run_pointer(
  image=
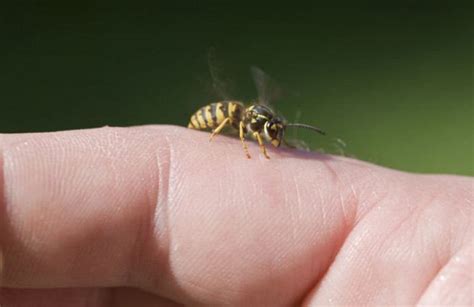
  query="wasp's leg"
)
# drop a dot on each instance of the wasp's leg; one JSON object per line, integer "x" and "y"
{"x": 260, "y": 142}
{"x": 242, "y": 139}
{"x": 219, "y": 128}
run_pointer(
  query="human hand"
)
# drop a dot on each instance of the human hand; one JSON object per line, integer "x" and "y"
{"x": 158, "y": 216}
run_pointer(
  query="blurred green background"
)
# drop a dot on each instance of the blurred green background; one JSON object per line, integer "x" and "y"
{"x": 393, "y": 80}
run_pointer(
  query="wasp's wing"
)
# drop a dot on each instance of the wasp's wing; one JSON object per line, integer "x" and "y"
{"x": 267, "y": 88}
{"x": 339, "y": 146}
{"x": 297, "y": 144}
{"x": 221, "y": 86}
{"x": 292, "y": 140}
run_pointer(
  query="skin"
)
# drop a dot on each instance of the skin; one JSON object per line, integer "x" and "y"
{"x": 158, "y": 216}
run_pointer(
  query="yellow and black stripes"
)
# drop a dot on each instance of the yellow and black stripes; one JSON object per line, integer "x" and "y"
{"x": 198, "y": 120}
{"x": 212, "y": 115}
{"x": 257, "y": 121}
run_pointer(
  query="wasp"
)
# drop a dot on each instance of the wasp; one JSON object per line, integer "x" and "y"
{"x": 257, "y": 120}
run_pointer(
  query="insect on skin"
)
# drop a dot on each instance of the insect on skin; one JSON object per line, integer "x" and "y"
{"x": 258, "y": 121}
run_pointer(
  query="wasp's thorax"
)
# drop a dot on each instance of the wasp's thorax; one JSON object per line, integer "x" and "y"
{"x": 262, "y": 119}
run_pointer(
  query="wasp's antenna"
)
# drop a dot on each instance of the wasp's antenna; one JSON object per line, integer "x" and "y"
{"x": 298, "y": 125}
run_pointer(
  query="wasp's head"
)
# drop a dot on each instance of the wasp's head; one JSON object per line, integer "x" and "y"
{"x": 274, "y": 130}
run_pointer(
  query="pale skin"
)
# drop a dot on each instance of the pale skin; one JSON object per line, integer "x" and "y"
{"x": 159, "y": 216}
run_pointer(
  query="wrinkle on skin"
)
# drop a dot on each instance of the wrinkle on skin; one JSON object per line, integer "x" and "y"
{"x": 347, "y": 205}
{"x": 295, "y": 216}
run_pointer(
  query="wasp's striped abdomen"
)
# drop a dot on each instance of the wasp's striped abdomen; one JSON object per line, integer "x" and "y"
{"x": 212, "y": 115}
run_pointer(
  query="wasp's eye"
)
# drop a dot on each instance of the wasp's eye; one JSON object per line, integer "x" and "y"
{"x": 272, "y": 129}
{"x": 271, "y": 125}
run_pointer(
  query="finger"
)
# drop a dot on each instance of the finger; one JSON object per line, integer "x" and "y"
{"x": 162, "y": 209}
